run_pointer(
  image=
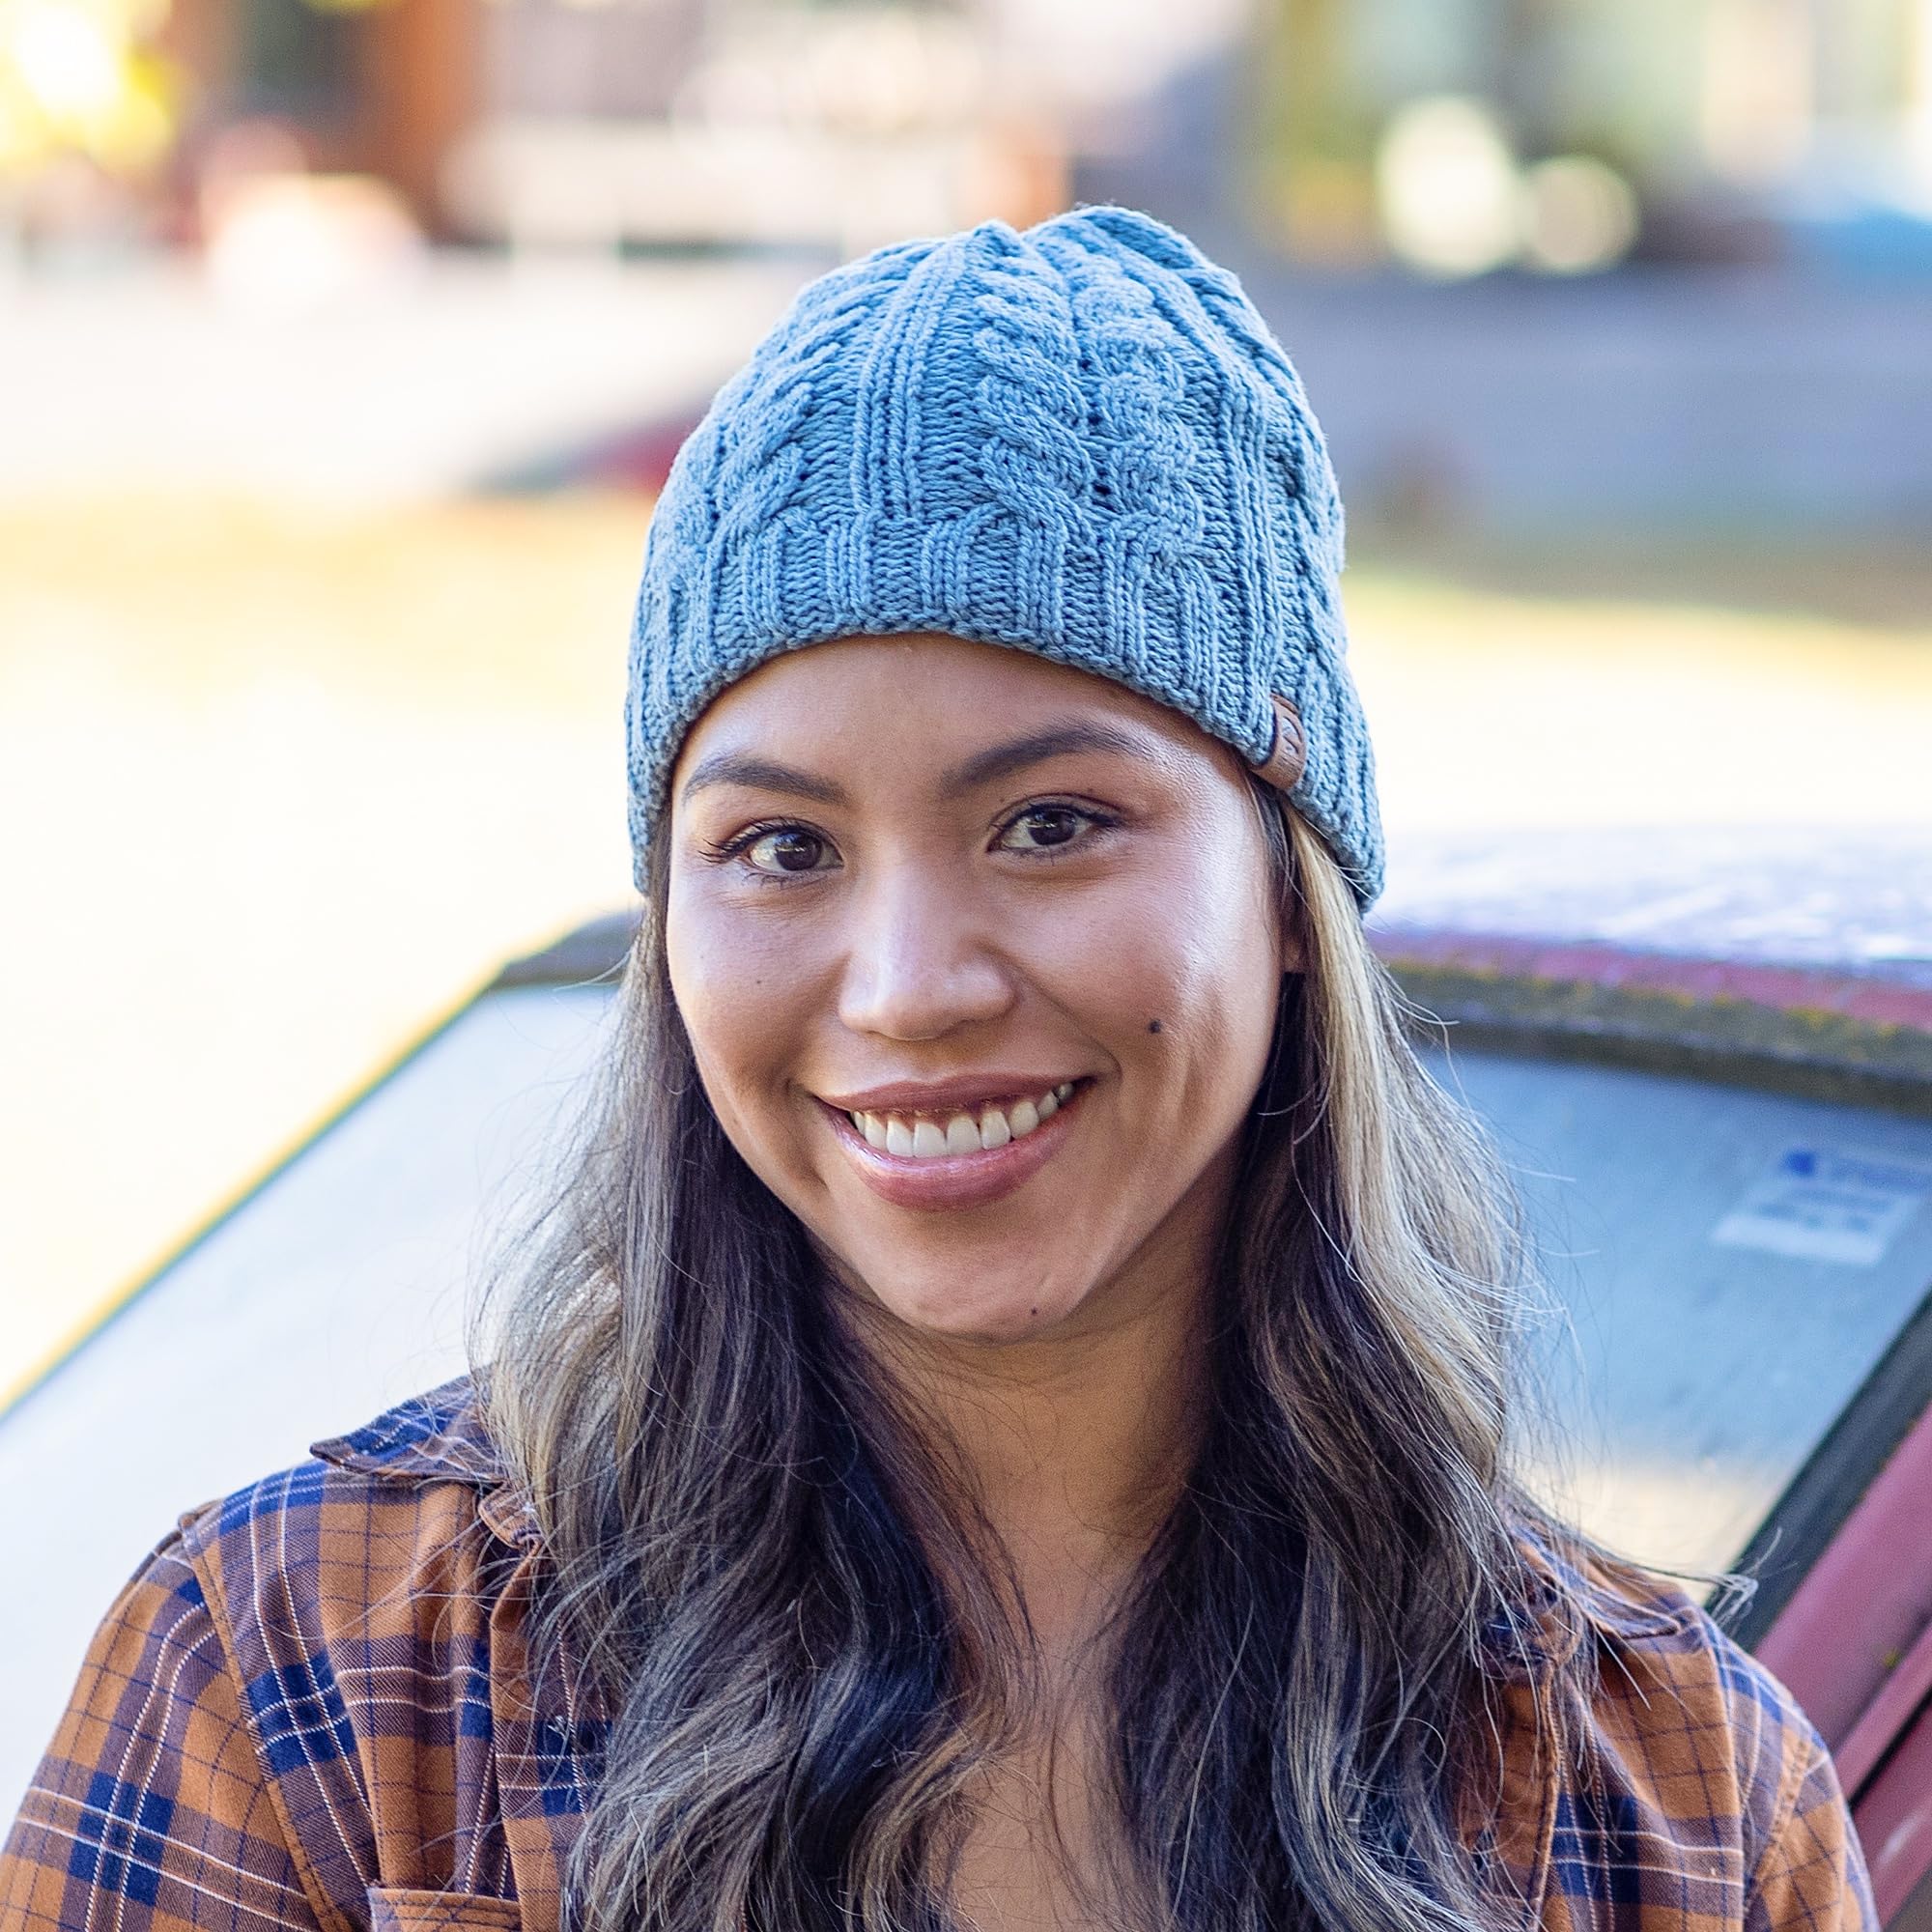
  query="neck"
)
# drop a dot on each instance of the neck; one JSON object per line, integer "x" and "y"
{"x": 1074, "y": 1445}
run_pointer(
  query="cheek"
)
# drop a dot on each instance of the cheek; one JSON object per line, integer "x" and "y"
{"x": 740, "y": 993}
{"x": 1193, "y": 949}
{"x": 1226, "y": 994}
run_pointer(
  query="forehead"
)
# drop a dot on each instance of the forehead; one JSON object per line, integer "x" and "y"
{"x": 882, "y": 698}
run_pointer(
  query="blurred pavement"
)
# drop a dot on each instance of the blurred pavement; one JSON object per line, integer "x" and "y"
{"x": 1719, "y": 400}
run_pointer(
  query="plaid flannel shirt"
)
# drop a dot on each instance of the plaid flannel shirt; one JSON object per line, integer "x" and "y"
{"x": 315, "y": 1706}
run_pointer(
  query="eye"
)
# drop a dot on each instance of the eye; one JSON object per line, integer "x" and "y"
{"x": 788, "y": 849}
{"x": 1046, "y": 828}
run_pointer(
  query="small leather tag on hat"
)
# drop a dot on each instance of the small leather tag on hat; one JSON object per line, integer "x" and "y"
{"x": 1288, "y": 759}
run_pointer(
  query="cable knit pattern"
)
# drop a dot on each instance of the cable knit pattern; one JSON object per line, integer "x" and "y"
{"x": 1147, "y": 454}
{"x": 1033, "y": 457}
{"x": 1082, "y": 440}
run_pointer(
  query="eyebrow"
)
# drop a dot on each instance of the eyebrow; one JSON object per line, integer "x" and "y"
{"x": 1055, "y": 741}
{"x": 742, "y": 768}
{"x": 995, "y": 761}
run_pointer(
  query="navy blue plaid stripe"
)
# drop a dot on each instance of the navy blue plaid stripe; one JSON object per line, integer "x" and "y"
{"x": 569, "y": 1757}
{"x": 298, "y": 1489}
{"x": 299, "y": 1716}
{"x": 1592, "y": 1852}
{"x": 120, "y": 1839}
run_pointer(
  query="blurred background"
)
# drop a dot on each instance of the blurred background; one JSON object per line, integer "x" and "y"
{"x": 344, "y": 342}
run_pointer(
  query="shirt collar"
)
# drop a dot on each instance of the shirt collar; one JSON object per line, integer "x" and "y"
{"x": 439, "y": 1437}
{"x": 1578, "y": 1592}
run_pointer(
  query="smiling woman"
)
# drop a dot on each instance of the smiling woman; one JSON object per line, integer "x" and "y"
{"x": 1008, "y": 1423}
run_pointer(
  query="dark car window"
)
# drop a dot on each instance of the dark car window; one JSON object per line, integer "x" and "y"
{"x": 1725, "y": 1269}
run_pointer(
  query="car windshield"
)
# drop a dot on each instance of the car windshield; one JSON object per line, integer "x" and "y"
{"x": 1725, "y": 1268}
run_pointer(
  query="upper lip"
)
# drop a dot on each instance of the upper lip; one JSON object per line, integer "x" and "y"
{"x": 935, "y": 1096}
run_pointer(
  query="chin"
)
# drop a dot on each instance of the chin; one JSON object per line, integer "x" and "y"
{"x": 968, "y": 1311}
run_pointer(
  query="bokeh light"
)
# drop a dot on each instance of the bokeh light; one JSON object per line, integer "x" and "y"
{"x": 1578, "y": 214}
{"x": 1448, "y": 188}
{"x": 296, "y": 242}
{"x": 79, "y": 76}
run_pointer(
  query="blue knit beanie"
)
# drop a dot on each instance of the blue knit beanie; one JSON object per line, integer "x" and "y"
{"x": 1080, "y": 441}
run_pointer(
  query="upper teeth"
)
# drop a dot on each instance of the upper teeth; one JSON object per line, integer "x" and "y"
{"x": 923, "y": 1136}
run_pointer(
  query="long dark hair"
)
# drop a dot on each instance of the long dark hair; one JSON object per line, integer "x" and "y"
{"x": 746, "y": 1531}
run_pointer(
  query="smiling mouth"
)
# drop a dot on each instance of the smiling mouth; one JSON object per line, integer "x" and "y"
{"x": 914, "y": 1136}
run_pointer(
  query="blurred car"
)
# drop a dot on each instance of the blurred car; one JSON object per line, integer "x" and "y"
{"x": 1706, "y": 1057}
{"x": 1709, "y": 1057}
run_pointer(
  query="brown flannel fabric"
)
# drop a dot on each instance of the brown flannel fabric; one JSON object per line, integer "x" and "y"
{"x": 313, "y": 1706}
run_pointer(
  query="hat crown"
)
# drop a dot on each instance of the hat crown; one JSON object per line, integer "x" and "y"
{"x": 1080, "y": 439}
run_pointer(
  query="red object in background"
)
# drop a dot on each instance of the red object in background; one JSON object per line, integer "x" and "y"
{"x": 641, "y": 459}
{"x": 1855, "y": 1646}
{"x": 1893, "y": 1815}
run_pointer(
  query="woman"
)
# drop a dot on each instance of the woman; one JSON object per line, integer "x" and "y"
{"x": 1008, "y": 1423}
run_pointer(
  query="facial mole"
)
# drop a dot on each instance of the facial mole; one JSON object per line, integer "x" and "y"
{"x": 1153, "y": 1026}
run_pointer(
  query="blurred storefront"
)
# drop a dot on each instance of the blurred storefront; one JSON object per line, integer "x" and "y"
{"x": 534, "y": 122}
{"x": 1482, "y": 226}
{"x": 1561, "y": 135}
{"x": 375, "y": 90}
{"x": 1447, "y": 136}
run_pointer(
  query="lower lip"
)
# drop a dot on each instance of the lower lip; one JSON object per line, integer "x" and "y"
{"x": 955, "y": 1180}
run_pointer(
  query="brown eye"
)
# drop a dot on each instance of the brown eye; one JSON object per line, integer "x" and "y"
{"x": 1042, "y": 827}
{"x": 792, "y": 848}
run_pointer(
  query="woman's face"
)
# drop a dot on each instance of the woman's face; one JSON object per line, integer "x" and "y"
{"x": 980, "y": 961}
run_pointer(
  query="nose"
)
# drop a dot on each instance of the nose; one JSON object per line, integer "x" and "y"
{"x": 918, "y": 963}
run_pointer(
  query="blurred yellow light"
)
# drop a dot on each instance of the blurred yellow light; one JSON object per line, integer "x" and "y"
{"x": 1326, "y": 213}
{"x": 1578, "y": 214}
{"x": 24, "y": 137}
{"x": 66, "y": 60}
{"x": 1447, "y": 186}
{"x": 71, "y": 78}
{"x": 134, "y": 133}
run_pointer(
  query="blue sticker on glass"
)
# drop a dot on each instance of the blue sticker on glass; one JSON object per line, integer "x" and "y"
{"x": 1827, "y": 1205}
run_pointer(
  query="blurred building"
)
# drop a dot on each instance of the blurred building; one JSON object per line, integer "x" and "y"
{"x": 1450, "y": 135}
{"x": 1460, "y": 134}
{"x": 689, "y": 121}
{"x": 376, "y": 89}
{"x": 601, "y": 123}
